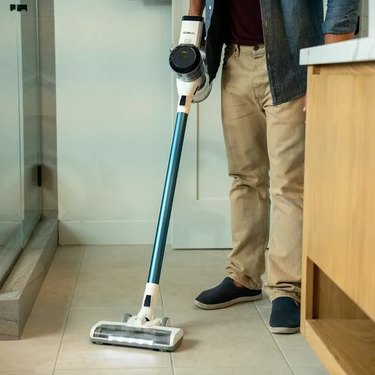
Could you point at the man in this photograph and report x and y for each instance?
(263, 88)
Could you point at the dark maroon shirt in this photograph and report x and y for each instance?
(244, 23)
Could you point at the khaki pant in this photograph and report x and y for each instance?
(265, 151)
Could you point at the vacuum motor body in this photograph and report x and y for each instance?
(188, 60)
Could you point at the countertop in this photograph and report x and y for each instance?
(361, 49)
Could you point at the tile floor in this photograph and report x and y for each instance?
(90, 283)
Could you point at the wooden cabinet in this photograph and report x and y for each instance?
(338, 298)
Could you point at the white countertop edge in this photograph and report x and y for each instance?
(361, 49)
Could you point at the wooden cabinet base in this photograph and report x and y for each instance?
(344, 346)
(338, 277)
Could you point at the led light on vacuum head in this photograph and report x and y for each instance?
(116, 333)
(132, 335)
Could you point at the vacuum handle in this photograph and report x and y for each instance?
(192, 30)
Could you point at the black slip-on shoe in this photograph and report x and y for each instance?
(226, 294)
(285, 316)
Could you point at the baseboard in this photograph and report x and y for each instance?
(18, 294)
(106, 232)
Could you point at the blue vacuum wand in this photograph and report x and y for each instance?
(144, 330)
(167, 199)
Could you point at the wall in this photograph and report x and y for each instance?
(114, 117)
(364, 26)
(371, 18)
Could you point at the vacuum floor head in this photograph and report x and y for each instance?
(119, 333)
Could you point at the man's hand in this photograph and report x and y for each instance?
(196, 7)
(333, 38)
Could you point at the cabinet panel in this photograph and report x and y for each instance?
(340, 178)
(346, 347)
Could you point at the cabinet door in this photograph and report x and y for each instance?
(201, 216)
(339, 204)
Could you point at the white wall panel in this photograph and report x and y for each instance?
(113, 117)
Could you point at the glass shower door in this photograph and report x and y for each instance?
(10, 142)
(30, 116)
(20, 195)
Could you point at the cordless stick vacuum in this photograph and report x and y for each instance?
(144, 330)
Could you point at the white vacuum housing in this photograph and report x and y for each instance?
(188, 60)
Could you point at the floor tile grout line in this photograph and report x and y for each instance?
(273, 338)
(70, 306)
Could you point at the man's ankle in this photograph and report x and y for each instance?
(237, 284)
